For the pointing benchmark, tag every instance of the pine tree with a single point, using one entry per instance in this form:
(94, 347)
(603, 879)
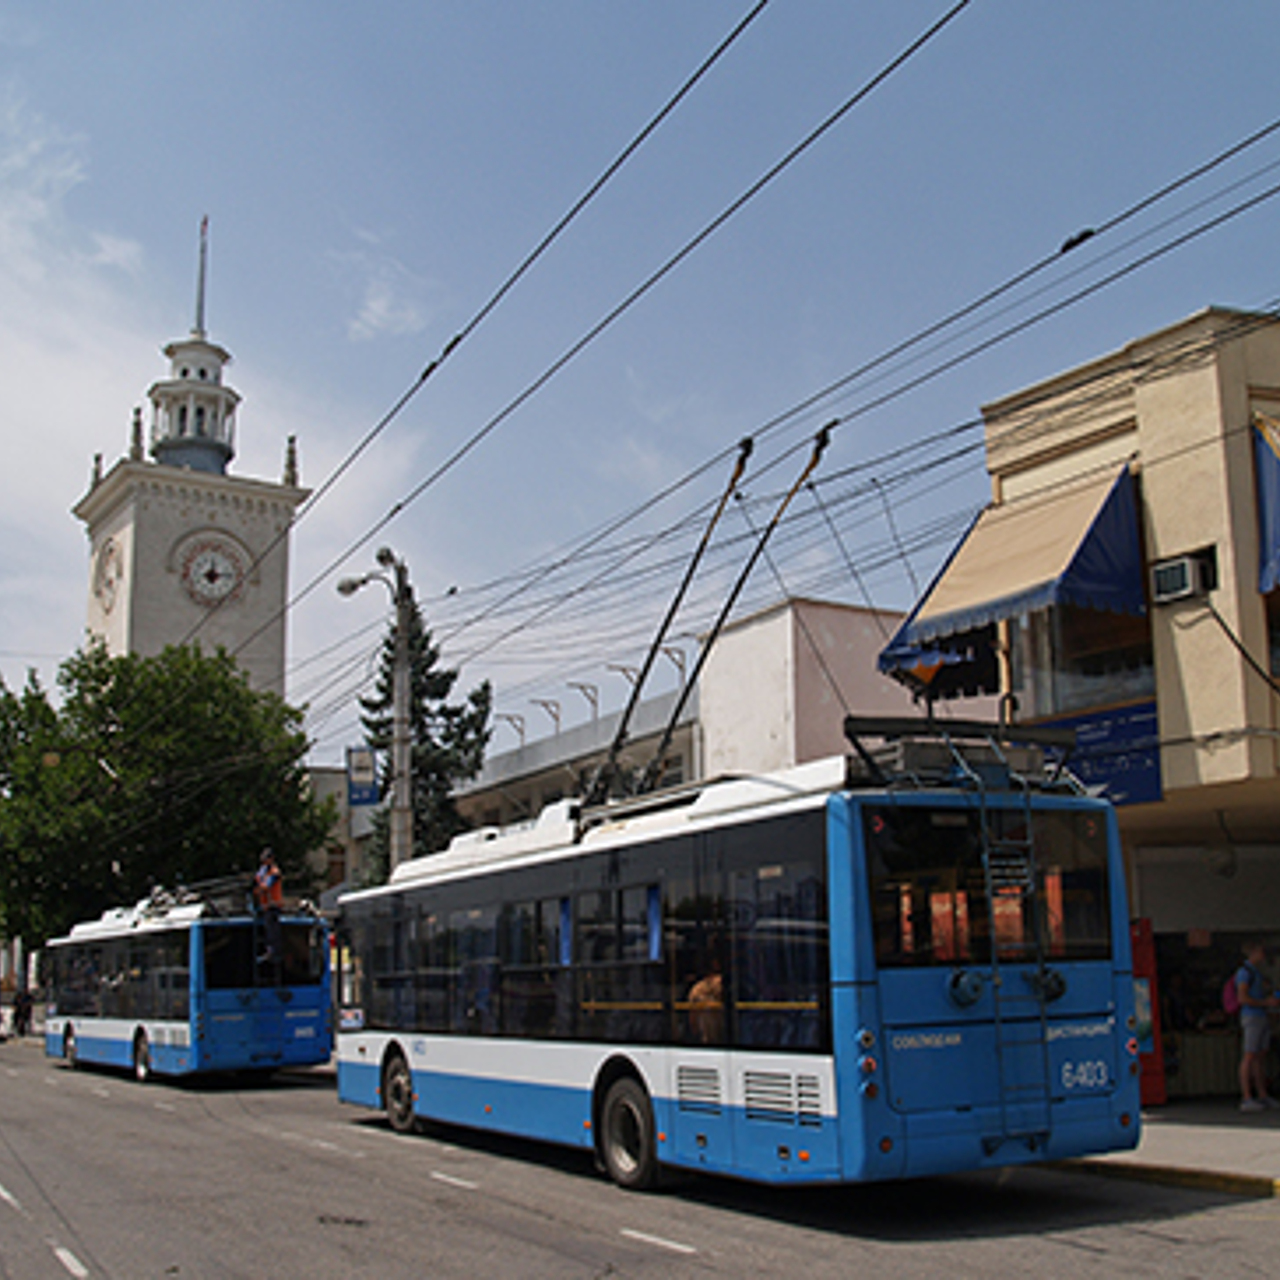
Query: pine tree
(447, 743)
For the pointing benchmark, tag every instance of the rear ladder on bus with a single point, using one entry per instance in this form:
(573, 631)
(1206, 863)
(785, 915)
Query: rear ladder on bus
(1019, 995)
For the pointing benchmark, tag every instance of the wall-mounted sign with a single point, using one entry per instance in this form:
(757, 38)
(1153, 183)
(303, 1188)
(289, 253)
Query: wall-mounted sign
(362, 777)
(1118, 752)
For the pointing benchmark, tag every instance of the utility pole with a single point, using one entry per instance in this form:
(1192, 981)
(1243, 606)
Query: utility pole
(401, 747)
(401, 831)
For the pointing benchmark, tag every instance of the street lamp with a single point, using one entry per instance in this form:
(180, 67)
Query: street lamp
(401, 768)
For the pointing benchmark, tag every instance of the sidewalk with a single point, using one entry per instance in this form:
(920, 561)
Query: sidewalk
(1206, 1143)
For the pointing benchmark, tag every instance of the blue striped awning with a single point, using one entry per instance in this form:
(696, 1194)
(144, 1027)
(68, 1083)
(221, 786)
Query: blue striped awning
(1076, 546)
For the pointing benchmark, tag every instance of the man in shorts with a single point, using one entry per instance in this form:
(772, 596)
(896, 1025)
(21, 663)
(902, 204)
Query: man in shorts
(1256, 1003)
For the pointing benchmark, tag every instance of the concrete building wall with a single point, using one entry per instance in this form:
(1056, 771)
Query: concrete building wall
(747, 697)
(836, 647)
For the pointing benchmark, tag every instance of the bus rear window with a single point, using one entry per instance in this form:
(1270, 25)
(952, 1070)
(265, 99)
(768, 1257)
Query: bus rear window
(930, 904)
(229, 960)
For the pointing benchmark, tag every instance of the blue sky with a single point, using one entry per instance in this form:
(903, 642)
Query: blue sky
(373, 173)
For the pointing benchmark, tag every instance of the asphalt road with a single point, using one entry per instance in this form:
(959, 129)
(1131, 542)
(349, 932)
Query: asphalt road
(101, 1176)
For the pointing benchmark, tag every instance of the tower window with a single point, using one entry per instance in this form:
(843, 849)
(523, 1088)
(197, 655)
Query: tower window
(199, 419)
(186, 373)
(203, 375)
(182, 420)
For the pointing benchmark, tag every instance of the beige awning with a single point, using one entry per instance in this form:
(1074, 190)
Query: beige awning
(1076, 545)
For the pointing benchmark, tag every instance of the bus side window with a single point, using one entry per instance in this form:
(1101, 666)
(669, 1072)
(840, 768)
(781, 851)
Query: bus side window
(695, 963)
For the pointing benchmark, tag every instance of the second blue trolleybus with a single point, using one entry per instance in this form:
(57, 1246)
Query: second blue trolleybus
(183, 983)
(910, 962)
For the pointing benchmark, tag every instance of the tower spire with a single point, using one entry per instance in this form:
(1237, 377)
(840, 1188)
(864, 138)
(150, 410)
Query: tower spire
(197, 330)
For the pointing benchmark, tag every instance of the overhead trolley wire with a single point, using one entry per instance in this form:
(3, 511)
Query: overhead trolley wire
(811, 402)
(936, 437)
(486, 309)
(636, 294)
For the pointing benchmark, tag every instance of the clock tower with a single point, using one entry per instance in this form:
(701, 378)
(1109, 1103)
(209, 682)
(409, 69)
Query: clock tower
(181, 552)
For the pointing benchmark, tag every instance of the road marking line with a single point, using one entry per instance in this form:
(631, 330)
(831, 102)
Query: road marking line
(674, 1245)
(456, 1182)
(71, 1262)
(164, 1106)
(9, 1071)
(325, 1146)
(9, 1198)
(102, 1093)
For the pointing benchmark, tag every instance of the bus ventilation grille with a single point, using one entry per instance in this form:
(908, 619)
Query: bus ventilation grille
(775, 1095)
(698, 1089)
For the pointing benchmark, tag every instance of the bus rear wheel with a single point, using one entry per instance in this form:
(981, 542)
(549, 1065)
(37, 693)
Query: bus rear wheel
(397, 1094)
(627, 1137)
(141, 1058)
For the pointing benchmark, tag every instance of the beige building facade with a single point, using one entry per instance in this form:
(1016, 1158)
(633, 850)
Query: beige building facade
(1123, 582)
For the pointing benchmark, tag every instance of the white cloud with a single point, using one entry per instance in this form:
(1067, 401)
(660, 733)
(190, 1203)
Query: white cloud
(393, 300)
(115, 251)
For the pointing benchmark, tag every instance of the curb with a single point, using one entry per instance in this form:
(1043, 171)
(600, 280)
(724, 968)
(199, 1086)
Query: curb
(1254, 1185)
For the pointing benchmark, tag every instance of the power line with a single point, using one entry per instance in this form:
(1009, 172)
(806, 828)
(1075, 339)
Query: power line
(625, 305)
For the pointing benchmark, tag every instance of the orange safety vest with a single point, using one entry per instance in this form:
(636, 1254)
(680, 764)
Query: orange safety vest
(267, 886)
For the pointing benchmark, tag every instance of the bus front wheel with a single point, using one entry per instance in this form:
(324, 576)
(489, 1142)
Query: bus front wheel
(627, 1138)
(397, 1094)
(141, 1058)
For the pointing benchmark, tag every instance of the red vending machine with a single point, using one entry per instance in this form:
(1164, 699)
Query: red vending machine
(1146, 1001)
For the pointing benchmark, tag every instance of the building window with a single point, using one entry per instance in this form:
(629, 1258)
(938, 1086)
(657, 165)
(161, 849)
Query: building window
(336, 871)
(1068, 659)
(1272, 602)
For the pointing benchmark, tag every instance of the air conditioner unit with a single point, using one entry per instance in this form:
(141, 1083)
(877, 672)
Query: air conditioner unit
(1177, 579)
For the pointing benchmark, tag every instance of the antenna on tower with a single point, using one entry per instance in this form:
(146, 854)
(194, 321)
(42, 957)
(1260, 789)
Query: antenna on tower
(198, 329)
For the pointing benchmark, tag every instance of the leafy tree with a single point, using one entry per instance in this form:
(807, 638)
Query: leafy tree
(155, 771)
(31, 747)
(447, 743)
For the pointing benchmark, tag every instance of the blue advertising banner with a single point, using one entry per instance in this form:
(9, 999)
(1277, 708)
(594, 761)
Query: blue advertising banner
(362, 777)
(1117, 752)
(1266, 452)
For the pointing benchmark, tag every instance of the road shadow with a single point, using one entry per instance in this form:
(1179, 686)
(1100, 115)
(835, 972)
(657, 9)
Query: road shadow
(1026, 1200)
(265, 1079)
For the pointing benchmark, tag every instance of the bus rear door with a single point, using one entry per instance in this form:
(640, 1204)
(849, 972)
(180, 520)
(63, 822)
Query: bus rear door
(991, 931)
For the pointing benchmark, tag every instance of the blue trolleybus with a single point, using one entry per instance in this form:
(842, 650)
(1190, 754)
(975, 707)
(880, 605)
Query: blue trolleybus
(910, 962)
(184, 983)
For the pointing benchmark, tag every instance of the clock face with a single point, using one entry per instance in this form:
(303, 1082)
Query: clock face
(212, 571)
(107, 573)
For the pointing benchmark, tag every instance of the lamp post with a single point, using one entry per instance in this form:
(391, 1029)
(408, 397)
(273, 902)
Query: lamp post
(401, 757)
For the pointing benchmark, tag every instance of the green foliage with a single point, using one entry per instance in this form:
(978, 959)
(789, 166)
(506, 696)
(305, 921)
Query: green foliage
(154, 771)
(448, 742)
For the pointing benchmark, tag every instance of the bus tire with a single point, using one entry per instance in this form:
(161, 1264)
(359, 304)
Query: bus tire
(141, 1058)
(69, 1046)
(628, 1143)
(397, 1094)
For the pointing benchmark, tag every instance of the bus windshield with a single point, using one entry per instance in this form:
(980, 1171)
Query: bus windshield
(929, 897)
